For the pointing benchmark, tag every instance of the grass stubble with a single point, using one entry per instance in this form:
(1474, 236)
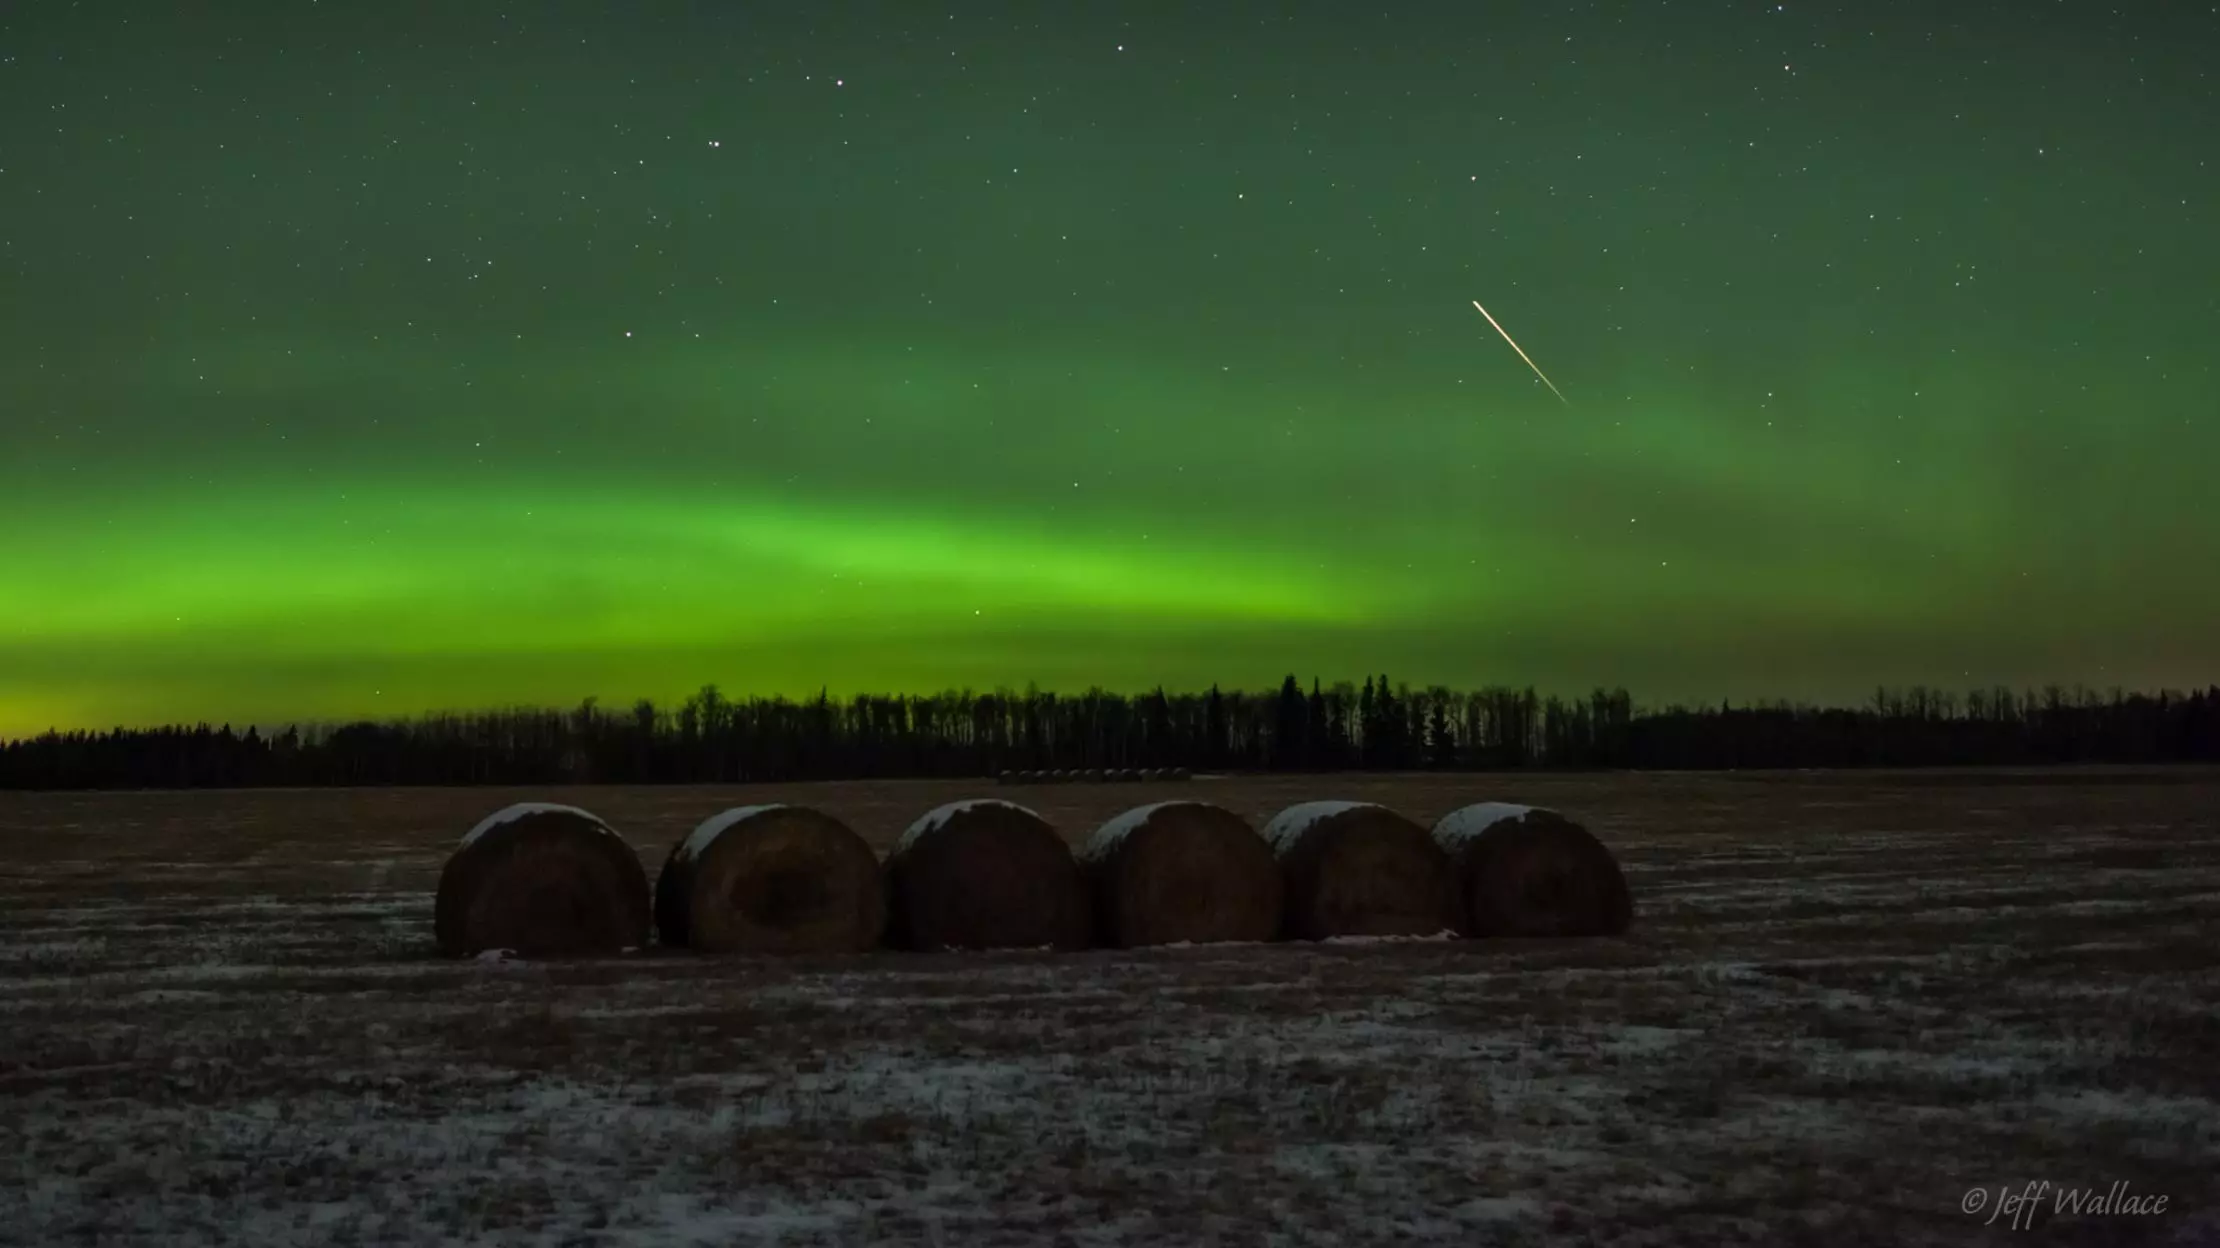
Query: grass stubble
(1845, 1000)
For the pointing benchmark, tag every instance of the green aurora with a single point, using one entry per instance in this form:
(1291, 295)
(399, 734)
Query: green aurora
(357, 371)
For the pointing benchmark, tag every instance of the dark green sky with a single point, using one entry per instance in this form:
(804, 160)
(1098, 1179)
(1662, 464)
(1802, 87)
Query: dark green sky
(363, 358)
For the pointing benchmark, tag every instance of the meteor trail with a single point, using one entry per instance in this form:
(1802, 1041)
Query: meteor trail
(1524, 356)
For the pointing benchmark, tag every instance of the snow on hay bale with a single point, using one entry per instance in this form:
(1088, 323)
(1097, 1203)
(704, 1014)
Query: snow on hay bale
(984, 874)
(1359, 869)
(1177, 872)
(1530, 871)
(771, 879)
(543, 881)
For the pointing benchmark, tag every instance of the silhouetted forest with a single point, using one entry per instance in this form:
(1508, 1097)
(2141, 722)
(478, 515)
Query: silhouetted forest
(1377, 727)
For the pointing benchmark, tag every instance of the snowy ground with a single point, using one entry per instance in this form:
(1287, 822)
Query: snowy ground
(1849, 1001)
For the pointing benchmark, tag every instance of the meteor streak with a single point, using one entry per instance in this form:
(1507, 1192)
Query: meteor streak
(1524, 356)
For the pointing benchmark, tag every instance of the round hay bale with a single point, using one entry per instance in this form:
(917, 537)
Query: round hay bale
(1005, 778)
(1360, 869)
(1530, 871)
(771, 879)
(1179, 872)
(1130, 775)
(1181, 773)
(543, 881)
(1059, 775)
(1094, 775)
(984, 874)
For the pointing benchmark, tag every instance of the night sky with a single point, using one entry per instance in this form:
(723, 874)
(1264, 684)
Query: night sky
(364, 358)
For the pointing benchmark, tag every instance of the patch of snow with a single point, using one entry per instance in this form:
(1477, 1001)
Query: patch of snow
(708, 830)
(1949, 1066)
(1443, 934)
(1465, 823)
(1110, 835)
(931, 820)
(1641, 1040)
(162, 996)
(2135, 1108)
(16, 989)
(1290, 825)
(2097, 905)
(522, 810)
(1500, 1209)
(55, 950)
(1785, 1119)
(688, 1009)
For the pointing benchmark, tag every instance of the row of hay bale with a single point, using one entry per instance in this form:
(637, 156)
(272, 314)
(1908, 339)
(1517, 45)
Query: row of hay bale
(545, 880)
(1095, 775)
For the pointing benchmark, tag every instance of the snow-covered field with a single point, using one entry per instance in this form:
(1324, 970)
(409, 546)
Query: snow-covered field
(1848, 1002)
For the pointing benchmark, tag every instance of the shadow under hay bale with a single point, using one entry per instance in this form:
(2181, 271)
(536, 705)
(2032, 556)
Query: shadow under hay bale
(771, 879)
(1360, 869)
(545, 881)
(984, 874)
(1179, 872)
(1529, 871)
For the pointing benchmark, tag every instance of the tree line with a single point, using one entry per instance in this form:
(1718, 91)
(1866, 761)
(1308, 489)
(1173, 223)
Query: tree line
(710, 738)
